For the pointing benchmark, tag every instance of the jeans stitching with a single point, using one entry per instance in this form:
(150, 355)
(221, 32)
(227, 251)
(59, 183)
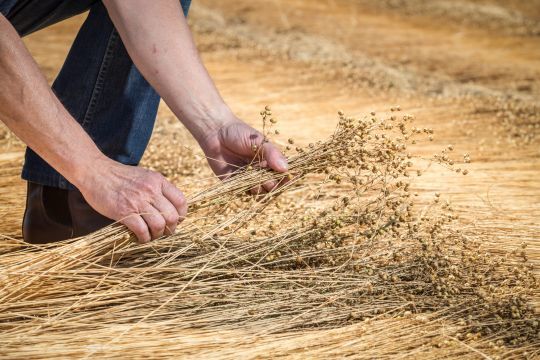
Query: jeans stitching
(100, 78)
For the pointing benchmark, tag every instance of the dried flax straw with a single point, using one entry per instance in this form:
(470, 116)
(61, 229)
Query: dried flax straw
(339, 261)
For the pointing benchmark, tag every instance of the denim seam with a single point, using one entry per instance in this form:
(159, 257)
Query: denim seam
(88, 116)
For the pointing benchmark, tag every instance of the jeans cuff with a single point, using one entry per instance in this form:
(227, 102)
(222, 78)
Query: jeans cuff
(47, 179)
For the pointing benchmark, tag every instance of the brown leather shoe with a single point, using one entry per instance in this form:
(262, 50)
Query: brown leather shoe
(54, 214)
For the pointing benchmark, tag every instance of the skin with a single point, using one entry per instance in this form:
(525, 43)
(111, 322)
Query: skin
(158, 39)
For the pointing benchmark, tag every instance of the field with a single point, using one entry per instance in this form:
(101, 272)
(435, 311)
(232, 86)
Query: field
(409, 227)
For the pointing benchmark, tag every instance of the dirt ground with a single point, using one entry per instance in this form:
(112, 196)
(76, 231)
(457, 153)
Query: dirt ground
(468, 69)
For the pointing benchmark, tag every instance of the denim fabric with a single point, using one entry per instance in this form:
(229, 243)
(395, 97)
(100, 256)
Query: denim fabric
(98, 83)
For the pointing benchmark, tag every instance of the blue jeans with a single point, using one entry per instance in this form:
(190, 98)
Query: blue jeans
(98, 83)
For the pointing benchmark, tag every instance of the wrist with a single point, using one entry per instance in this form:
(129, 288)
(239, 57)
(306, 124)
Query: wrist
(88, 170)
(208, 120)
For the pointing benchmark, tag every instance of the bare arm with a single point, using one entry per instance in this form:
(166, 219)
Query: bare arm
(31, 110)
(143, 200)
(158, 39)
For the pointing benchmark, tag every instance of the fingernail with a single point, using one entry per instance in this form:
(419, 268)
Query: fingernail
(282, 163)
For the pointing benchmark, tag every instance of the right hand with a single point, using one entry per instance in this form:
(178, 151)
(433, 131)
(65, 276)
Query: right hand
(143, 200)
(230, 147)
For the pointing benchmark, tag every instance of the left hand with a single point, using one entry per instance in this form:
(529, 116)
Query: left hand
(235, 144)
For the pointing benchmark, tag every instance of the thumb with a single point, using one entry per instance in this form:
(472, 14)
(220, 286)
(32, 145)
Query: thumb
(274, 158)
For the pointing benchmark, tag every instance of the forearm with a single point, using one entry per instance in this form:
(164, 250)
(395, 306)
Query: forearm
(32, 111)
(158, 39)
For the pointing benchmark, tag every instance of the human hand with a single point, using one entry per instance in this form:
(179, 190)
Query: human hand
(236, 144)
(143, 200)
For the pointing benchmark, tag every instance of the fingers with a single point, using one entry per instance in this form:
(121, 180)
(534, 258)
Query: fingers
(270, 153)
(176, 198)
(257, 190)
(174, 195)
(264, 188)
(269, 185)
(157, 219)
(169, 213)
(154, 220)
(138, 226)
(162, 214)
(274, 158)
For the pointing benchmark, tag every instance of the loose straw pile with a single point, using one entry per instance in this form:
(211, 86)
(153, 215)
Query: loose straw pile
(340, 262)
